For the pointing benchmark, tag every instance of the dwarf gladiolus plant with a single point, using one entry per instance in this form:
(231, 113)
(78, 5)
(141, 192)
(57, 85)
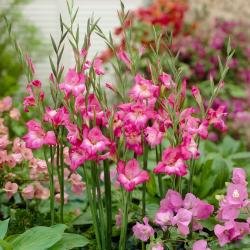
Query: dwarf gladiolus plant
(153, 118)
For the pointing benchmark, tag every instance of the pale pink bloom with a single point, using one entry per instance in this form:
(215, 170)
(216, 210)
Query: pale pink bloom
(30, 63)
(172, 201)
(153, 135)
(133, 139)
(197, 95)
(118, 219)
(10, 161)
(83, 52)
(37, 137)
(73, 135)
(41, 192)
(15, 114)
(97, 65)
(182, 219)
(189, 148)
(18, 158)
(10, 188)
(18, 145)
(94, 141)
(131, 175)
(172, 163)
(164, 219)
(3, 156)
(28, 192)
(5, 104)
(4, 141)
(56, 117)
(29, 101)
(143, 89)
(200, 245)
(77, 185)
(27, 154)
(41, 166)
(227, 212)
(239, 176)
(122, 55)
(143, 231)
(66, 156)
(156, 246)
(167, 81)
(74, 83)
(58, 198)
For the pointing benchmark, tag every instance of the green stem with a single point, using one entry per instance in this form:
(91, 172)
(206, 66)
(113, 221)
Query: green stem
(108, 202)
(62, 184)
(123, 236)
(145, 165)
(5, 245)
(93, 209)
(159, 176)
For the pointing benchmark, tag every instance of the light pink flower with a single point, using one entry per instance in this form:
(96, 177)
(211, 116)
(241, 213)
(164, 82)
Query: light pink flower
(10, 161)
(41, 192)
(156, 246)
(97, 65)
(130, 175)
(182, 220)
(15, 114)
(153, 135)
(56, 117)
(73, 135)
(4, 141)
(172, 163)
(143, 231)
(10, 188)
(236, 194)
(172, 201)
(5, 104)
(200, 245)
(58, 198)
(216, 117)
(239, 176)
(37, 137)
(167, 81)
(164, 218)
(74, 83)
(77, 157)
(28, 192)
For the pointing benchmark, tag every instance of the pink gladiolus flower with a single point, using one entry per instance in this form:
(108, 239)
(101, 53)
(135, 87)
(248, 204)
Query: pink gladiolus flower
(172, 201)
(36, 83)
(189, 148)
(28, 192)
(97, 65)
(182, 220)
(77, 157)
(130, 175)
(143, 231)
(153, 135)
(57, 117)
(37, 137)
(167, 81)
(200, 245)
(74, 83)
(143, 89)
(73, 135)
(172, 163)
(197, 95)
(10, 188)
(122, 55)
(216, 117)
(94, 141)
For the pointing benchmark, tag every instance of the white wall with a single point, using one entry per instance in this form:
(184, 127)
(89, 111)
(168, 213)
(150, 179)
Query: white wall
(45, 15)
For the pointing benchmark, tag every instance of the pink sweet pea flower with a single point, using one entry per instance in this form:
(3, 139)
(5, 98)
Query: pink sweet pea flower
(164, 219)
(97, 65)
(182, 219)
(15, 114)
(143, 231)
(130, 175)
(28, 192)
(172, 163)
(4, 141)
(37, 137)
(74, 83)
(143, 89)
(10, 188)
(122, 55)
(156, 246)
(239, 176)
(94, 141)
(236, 194)
(200, 245)
(172, 201)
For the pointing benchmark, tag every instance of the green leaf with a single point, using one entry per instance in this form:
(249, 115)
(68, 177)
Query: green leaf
(60, 228)
(209, 223)
(3, 228)
(240, 155)
(37, 238)
(70, 241)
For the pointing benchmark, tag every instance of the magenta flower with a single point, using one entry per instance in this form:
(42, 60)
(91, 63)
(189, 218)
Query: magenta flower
(77, 157)
(236, 194)
(133, 139)
(122, 55)
(172, 163)
(164, 219)
(153, 135)
(167, 81)
(143, 89)
(73, 135)
(37, 137)
(200, 245)
(97, 65)
(74, 83)
(94, 141)
(216, 117)
(130, 175)
(239, 176)
(182, 219)
(56, 117)
(143, 231)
